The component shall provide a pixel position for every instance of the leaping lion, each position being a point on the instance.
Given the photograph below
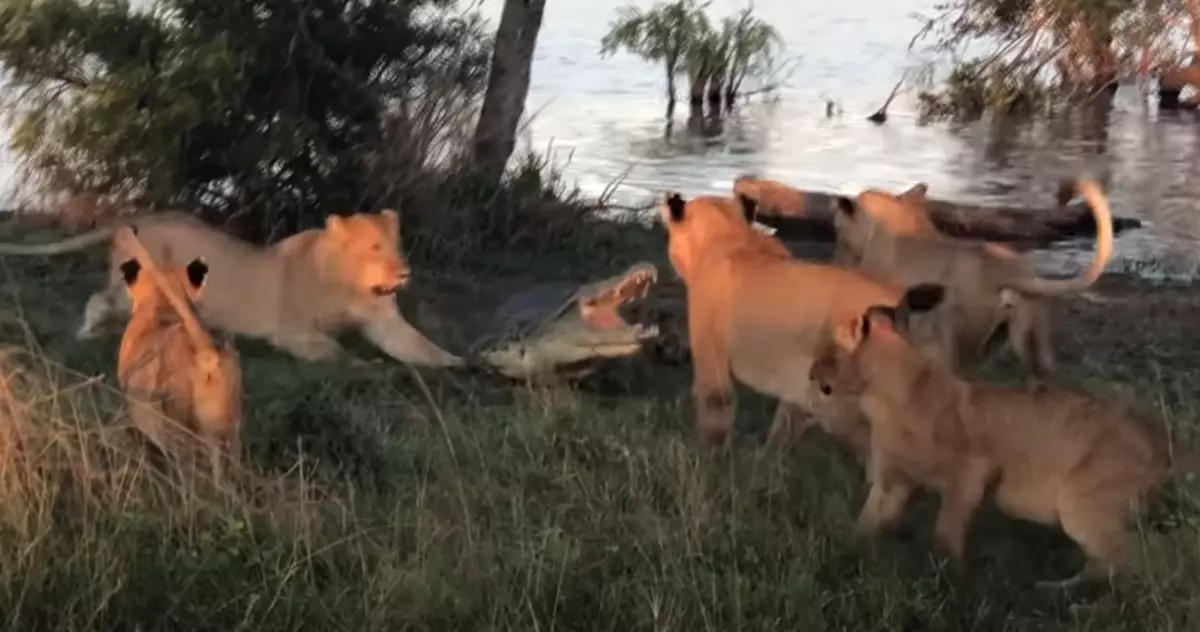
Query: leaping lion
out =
(294, 294)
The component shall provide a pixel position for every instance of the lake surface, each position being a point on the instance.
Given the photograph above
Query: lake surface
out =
(604, 121)
(604, 118)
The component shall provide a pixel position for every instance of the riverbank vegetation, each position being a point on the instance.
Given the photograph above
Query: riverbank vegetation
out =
(1037, 56)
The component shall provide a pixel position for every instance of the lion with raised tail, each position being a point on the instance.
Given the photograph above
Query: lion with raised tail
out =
(989, 284)
(294, 294)
(179, 386)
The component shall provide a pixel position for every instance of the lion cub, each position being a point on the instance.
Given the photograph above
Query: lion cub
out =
(178, 385)
(1054, 455)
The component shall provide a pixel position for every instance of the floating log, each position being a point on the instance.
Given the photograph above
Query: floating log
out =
(810, 218)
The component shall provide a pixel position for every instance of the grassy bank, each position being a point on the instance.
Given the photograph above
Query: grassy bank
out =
(491, 505)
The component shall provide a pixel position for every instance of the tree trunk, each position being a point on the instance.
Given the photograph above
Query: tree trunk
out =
(671, 64)
(508, 85)
(716, 85)
(699, 81)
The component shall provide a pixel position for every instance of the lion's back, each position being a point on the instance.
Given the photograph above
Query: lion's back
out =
(242, 286)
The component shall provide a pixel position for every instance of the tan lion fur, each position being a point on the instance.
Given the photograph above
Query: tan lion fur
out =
(754, 312)
(776, 199)
(989, 285)
(1049, 454)
(294, 293)
(178, 385)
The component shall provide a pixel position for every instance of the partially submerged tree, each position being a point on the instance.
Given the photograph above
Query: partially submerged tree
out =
(680, 36)
(664, 34)
(753, 48)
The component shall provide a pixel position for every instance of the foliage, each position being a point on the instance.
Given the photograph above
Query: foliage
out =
(1046, 53)
(664, 34)
(278, 110)
(750, 48)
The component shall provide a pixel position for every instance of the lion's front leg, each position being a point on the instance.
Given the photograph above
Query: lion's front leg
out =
(314, 347)
(712, 384)
(383, 325)
(789, 423)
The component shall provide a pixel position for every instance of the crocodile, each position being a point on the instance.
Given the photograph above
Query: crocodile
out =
(566, 330)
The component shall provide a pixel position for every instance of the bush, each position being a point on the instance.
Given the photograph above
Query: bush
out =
(270, 113)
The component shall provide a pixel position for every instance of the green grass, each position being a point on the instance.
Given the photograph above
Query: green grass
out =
(502, 506)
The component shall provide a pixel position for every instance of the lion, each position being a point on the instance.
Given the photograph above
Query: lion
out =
(294, 294)
(904, 214)
(931, 331)
(176, 381)
(776, 199)
(754, 312)
(1050, 454)
(989, 285)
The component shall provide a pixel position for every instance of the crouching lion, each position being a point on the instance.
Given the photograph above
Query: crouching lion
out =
(1049, 454)
(294, 294)
(178, 385)
(989, 284)
(755, 312)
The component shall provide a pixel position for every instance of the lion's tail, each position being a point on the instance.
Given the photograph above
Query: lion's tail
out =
(1098, 203)
(70, 244)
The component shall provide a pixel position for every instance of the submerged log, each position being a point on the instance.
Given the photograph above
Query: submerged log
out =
(808, 216)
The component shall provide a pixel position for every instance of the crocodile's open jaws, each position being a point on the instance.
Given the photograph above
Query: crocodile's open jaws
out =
(569, 335)
(607, 333)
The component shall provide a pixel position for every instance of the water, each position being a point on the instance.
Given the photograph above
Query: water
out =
(606, 117)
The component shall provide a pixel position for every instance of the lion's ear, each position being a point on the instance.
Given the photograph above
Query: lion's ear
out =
(675, 206)
(845, 205)
(881, 317)
(335, 224)
(392, 218)
(917, 192)
(197, 272)
(749, 207)
(130, 270)
(849, 333)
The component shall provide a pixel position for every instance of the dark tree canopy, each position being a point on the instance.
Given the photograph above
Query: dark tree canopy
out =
(279, 108)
